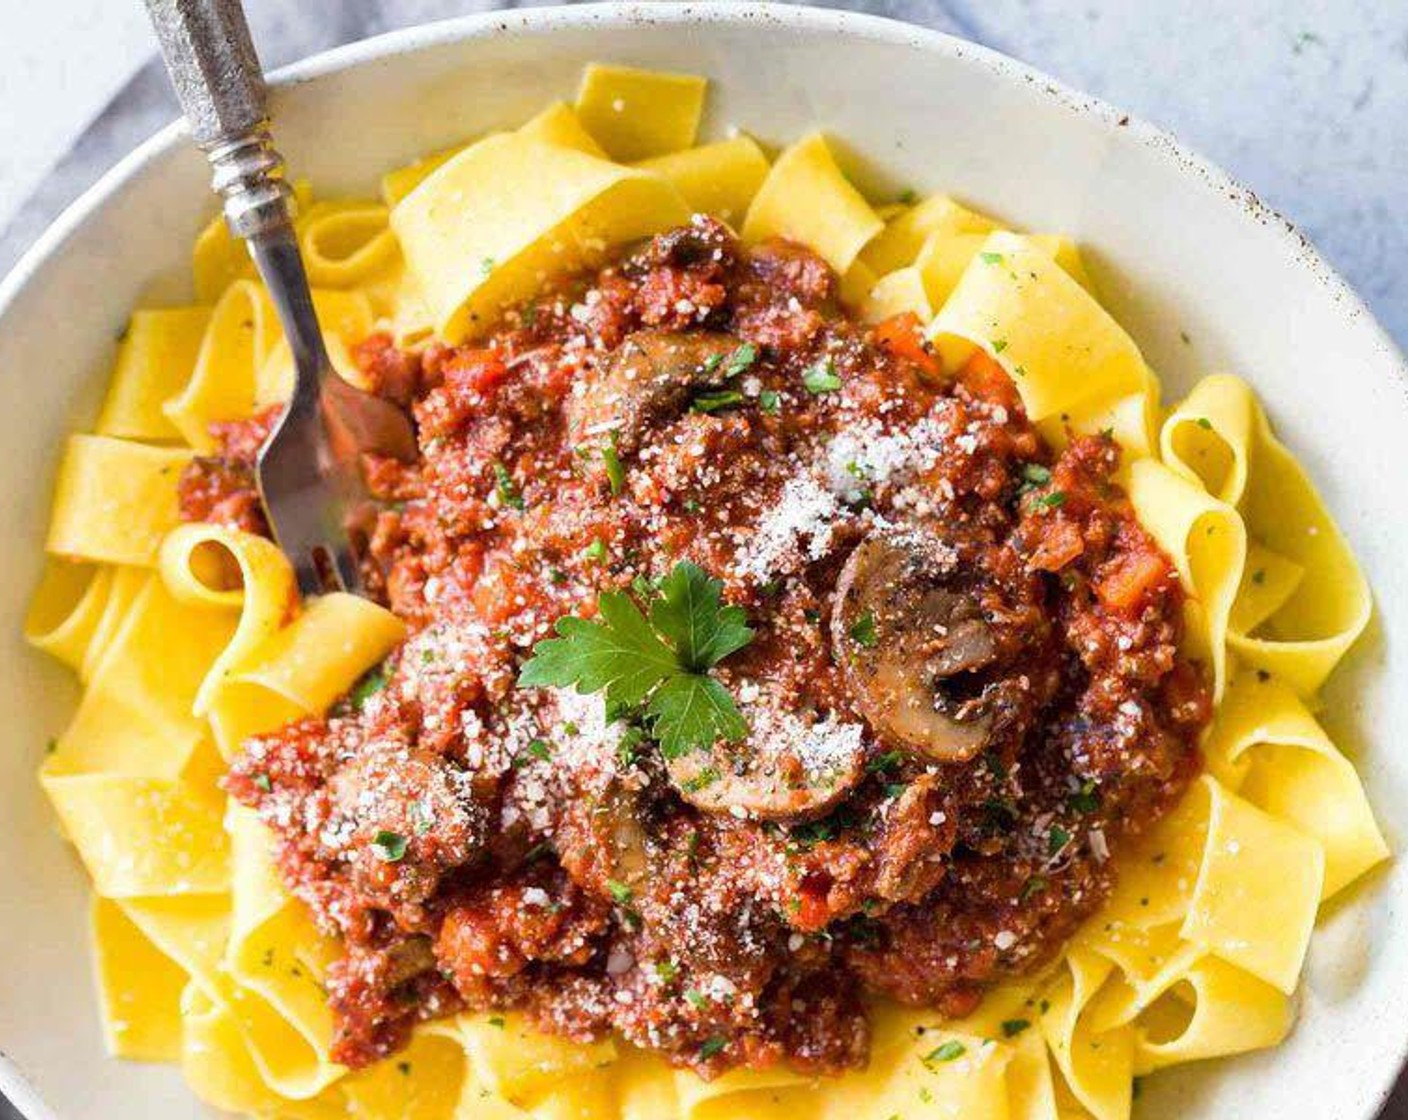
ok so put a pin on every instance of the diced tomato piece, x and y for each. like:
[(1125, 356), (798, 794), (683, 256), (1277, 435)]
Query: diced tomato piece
[(475, 371), (1129, 579)]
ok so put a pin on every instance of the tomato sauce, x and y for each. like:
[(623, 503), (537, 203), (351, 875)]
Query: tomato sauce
[(474, 844)]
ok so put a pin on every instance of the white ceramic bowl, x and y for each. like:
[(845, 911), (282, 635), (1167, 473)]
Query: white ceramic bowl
[(1179, 250)]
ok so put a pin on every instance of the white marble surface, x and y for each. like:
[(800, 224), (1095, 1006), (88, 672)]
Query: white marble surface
[(1306, 101)]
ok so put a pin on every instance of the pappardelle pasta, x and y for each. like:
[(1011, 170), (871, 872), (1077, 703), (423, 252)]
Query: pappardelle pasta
[(810, 672)]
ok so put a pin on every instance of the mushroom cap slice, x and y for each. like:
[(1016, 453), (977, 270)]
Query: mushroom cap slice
[(650, 377), (790, 769), (904, 627)]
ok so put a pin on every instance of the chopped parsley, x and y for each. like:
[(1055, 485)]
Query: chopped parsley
[(991, 258), (658, 660), (947, 1052), (909, 196), (1033, 886), (619, 891), (1034, 474), (1086, 799), (770, 401), (539, 748), (717, 400), (666, 970), (1054, 500), (504, 486), (740, 359), (1204, 422), (611, 460), (883, 763), (486, 266), (261, 781), (711, 1047), (821, 377), (390, 847), (596, 551), (369, 685), (702, 780), (1057, 839), (496, 1021), (696, 998), (999, 345), (1011, 1028), (862, 631)]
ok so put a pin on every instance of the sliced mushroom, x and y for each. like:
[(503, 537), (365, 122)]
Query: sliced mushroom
[(651, 376), (904, 628), (790, 769)]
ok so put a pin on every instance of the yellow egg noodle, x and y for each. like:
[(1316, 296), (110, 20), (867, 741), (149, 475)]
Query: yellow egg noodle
[(201, 956)]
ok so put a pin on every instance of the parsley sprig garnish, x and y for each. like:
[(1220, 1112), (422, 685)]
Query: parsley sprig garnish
[(656, 662)]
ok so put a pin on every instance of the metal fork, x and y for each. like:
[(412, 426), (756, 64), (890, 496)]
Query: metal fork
[(309, 469)]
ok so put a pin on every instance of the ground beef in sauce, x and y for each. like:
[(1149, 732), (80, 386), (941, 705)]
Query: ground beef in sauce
[(546, 867)]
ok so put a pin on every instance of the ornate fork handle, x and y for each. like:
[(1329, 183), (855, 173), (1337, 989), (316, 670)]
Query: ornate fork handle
[(309, 469), (215, 70)]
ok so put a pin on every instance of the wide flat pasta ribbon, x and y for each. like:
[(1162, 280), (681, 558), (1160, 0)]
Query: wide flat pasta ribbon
[(1267, 747), (1206, 540), (807, 199), (637, 114), (1311, 598), (486, 227), (115, 500)]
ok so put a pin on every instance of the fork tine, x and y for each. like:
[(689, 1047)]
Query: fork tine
[(344, 569)]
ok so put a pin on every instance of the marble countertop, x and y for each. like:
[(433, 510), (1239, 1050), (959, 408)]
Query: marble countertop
[(1306, 101)]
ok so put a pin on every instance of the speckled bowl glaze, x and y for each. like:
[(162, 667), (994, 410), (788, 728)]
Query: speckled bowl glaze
[(1202, 274)]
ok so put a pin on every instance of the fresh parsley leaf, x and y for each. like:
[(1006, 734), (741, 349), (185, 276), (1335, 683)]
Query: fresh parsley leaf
[(1054, 500), (688, 712), (619, 654), (1057, 839), (690, 616), (656, 661), (770, 401), (390, 847), (821, 377)]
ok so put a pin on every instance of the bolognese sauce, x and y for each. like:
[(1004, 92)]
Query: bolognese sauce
[(958, 692)]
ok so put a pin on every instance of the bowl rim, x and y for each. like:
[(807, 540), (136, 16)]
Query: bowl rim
[(606, 14)]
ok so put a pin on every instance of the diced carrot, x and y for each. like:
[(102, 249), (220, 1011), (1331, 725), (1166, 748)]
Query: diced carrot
[(1130, 579), (903, 336), (985, 378)]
